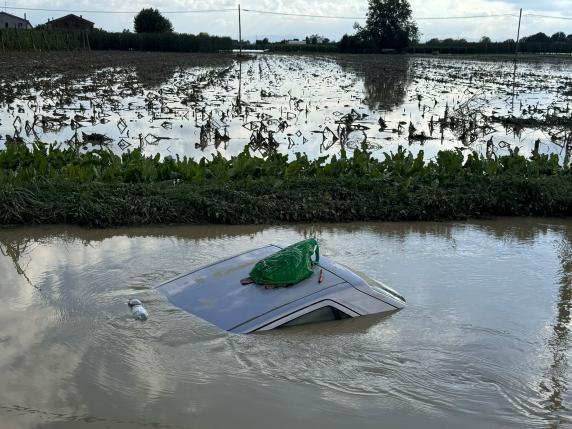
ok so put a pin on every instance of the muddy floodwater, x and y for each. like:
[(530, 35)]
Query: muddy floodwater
[(483, 343), (316, 105)]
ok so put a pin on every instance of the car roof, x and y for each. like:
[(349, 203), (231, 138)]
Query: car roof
[(215, 294)]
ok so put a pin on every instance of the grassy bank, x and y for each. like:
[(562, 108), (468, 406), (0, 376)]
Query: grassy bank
[(51, 185)]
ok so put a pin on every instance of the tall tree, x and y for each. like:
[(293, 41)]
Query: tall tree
[(390, 24), (151, 21), (538, 38)]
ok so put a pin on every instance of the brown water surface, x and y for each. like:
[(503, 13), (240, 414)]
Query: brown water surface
[(484, 341)]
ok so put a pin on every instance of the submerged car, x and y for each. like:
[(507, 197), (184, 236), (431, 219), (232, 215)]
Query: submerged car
[(215, 293)]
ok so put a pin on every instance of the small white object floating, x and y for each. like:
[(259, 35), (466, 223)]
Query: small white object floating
[(215, 294), (138, 310)]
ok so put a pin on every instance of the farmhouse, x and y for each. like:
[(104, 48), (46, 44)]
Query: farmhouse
[(70, 22), (12, 21)]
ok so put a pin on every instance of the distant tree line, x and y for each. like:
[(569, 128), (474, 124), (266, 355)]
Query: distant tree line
[(389, 28), (537, 43), (324, 45), (320, 48), (163, 42)]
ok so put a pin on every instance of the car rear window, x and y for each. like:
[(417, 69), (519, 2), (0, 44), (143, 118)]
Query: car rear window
[(323, 314)]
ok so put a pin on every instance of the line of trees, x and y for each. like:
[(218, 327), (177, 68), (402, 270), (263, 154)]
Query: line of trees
[(163, 42), (13, 39), (153, 32), (61, 40), (389, 28), (540, 42)]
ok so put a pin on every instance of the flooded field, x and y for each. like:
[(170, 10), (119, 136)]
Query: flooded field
[(312, 104), (484, 341)]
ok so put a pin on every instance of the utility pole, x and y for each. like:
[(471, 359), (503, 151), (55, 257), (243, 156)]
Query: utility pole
[(239, 32), (518, 33), (516, 59)]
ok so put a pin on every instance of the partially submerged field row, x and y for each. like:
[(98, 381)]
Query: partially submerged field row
[(49, 185)]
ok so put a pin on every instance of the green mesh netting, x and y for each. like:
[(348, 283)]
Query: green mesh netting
[(289, 266)]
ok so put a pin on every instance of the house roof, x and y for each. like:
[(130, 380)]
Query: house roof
[(71, 16), (14, 16)]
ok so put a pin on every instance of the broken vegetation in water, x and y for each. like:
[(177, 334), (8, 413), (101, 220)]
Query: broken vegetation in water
[(287, 104)]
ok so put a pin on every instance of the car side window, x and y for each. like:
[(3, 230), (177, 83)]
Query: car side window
[(323, 314)]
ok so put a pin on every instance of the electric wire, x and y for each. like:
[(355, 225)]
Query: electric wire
[(118, 11), (300, 15), (569, 18), (496, 15)]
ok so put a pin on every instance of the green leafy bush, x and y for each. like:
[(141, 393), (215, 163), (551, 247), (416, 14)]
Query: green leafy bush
[(48, 184)]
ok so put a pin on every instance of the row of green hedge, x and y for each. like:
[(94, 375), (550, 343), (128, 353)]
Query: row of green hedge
[(163, 42), (491, 48), (42, 40), (58, 40), (21, 164), (47, 184)]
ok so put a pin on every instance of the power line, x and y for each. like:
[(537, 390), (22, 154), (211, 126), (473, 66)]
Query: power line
[(118, 11), (549, 16), (300, 15), (303, 15), (498, 15)]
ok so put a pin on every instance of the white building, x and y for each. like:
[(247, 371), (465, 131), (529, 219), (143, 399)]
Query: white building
[(11, 21)]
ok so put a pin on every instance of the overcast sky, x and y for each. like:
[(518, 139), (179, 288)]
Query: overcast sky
[(277, 27)]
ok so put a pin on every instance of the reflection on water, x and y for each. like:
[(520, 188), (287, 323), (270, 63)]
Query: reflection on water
[(316, 105), (385, 82), (484, 341), (555, 386), (156, 77), (15, 250)]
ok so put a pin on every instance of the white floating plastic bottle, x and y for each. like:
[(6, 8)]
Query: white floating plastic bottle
[(137, 309)]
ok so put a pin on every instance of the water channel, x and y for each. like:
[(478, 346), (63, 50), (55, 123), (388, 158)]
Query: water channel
[(484, 341)]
